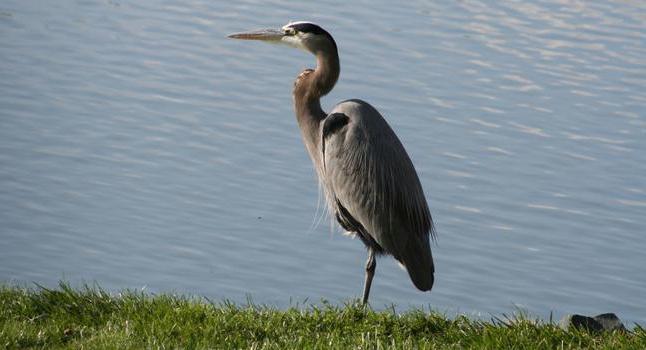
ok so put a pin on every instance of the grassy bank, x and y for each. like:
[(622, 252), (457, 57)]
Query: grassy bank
[(91, 318)]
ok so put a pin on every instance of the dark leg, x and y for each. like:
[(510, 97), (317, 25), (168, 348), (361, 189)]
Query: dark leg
[(371, 264)]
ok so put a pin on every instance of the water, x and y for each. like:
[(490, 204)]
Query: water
[(140, 148)]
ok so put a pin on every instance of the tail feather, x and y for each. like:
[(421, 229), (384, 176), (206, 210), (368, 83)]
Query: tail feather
[(418, 261)]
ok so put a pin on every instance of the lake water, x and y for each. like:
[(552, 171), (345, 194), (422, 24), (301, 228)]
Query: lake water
[(141, 148)]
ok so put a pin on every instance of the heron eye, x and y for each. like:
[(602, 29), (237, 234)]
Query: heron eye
[(290, 31)]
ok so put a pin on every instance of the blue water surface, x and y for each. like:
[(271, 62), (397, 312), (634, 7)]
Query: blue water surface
[(141, 148)]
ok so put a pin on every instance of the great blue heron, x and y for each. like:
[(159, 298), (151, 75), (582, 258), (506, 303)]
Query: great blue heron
[(369, 181)]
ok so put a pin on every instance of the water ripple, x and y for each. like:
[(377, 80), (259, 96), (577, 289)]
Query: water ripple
[(140, 147)]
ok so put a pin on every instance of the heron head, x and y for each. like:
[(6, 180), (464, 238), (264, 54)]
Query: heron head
[(304, 35)]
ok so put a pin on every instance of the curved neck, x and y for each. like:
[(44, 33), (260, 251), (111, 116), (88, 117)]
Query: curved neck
[(309, 86), (327, 71)]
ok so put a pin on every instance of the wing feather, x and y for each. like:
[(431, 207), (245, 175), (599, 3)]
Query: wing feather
[(368, 174)]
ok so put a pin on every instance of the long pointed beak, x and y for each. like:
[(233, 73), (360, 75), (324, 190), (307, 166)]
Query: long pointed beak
[(262, 34)]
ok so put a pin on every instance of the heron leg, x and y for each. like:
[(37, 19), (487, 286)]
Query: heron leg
[(371, 265)]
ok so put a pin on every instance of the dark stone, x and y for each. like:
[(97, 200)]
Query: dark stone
[(610, 322), (599, 323), (580, 321)]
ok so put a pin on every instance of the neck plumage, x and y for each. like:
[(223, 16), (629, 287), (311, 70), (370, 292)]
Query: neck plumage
[(309, 87)]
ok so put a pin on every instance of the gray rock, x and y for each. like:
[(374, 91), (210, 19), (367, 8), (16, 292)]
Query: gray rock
[(610, 322), (580, 321), (599, 323)]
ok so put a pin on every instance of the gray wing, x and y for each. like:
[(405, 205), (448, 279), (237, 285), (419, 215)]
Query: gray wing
[(373, 188)]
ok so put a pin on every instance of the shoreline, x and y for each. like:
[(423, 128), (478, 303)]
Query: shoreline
[(90, 317)]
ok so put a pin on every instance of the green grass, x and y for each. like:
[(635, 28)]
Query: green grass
[(93, 318)]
